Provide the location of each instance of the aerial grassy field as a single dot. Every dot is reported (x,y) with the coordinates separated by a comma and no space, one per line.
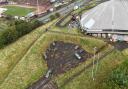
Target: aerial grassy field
(31,65)
(12,54)
(21,63)
(18,11)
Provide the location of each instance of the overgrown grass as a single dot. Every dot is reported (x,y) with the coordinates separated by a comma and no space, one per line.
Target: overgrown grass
(61,79)
(125,52)
(118,78)
(66,30)
(84,80)
(21,63)
(66,20)
(32,65)
(87,43)
(12,54)
(28,69)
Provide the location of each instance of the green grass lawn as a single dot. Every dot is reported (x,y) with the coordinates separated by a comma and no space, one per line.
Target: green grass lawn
(18,11)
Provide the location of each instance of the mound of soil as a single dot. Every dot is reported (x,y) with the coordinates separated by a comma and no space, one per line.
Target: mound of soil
(61,56)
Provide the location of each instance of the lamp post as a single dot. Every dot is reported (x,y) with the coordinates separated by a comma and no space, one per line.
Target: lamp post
(95,48)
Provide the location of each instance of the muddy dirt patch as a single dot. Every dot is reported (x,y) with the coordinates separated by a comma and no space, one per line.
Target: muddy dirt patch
(121,45)
(44,83)
(61,57)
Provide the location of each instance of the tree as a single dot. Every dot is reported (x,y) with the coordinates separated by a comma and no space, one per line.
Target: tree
(36,24)
(52,17)
(8,36)
(57,14)
(15,30)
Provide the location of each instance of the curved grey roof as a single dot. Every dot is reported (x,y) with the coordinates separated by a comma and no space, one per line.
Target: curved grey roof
(112,15)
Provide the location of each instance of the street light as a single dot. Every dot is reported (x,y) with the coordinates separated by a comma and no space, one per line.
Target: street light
(95,49)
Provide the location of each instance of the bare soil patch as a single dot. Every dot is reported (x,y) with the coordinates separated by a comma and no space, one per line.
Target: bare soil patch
(44,83)
(120,45)
(61,56)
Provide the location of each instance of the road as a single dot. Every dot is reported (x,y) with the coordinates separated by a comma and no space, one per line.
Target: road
(65,10)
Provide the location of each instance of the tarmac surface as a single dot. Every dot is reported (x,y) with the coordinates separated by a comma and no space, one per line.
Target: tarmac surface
(108,16)
(65,10)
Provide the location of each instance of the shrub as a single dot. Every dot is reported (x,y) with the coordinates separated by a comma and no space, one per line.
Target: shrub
(15,30)
(57,14)
(52,17)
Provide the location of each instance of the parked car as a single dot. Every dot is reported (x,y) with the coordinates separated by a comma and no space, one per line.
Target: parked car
(78,56)
(49,72)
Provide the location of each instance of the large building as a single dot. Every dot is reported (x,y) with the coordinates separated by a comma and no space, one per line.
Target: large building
(110,17)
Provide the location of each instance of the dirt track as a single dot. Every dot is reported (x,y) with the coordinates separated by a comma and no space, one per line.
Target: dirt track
(44,83)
